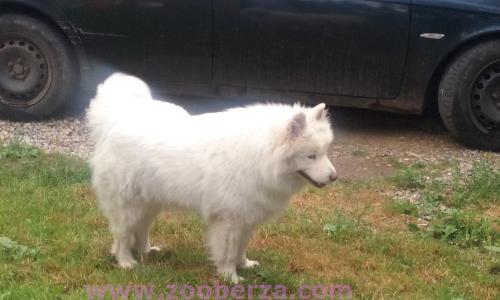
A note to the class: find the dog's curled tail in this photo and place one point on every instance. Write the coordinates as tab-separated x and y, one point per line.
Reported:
116	97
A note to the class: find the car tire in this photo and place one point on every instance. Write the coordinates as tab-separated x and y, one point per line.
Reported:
469	96
38	69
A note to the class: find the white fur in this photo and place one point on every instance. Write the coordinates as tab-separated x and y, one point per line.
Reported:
235	168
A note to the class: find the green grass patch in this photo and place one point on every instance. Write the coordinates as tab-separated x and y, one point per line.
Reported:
409	177
343	228
480	186
17	150
401	207
10	249
54	242
465	196
465	229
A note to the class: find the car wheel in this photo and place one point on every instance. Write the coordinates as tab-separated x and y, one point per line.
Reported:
38	71
469	96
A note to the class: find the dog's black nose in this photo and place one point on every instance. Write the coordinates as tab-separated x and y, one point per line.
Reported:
333	177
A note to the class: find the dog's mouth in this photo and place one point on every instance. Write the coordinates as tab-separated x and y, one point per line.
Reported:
312	181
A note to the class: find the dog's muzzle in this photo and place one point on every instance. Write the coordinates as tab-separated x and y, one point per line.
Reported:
312	181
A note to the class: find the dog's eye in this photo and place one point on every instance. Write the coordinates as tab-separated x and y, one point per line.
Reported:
312	156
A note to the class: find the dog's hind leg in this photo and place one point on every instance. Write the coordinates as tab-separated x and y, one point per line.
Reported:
124	249
243	262
141	233
122	224
114	247
223	238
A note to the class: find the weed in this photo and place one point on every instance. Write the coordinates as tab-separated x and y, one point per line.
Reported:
342	228
401	207
462	228
17	150
481	185
409	177
458	190
13	250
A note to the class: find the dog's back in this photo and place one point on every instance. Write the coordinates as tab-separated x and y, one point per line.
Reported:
122	99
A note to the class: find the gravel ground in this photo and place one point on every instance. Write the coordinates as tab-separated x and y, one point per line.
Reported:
366	141
67	135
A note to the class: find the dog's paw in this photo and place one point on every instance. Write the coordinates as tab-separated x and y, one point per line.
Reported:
249	264
147	250
237	279
127	263
154	249
233	278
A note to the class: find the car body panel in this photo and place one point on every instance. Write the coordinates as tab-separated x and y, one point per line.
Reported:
480	6
162	40
354	48
233	48
428	57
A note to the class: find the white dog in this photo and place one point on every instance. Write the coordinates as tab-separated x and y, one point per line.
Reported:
235	168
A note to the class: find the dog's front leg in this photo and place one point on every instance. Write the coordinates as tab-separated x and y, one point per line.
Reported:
223	239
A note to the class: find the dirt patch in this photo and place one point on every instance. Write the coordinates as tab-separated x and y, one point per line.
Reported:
367	143
353	167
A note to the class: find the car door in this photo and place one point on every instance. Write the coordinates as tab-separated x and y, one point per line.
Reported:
354	48
159	40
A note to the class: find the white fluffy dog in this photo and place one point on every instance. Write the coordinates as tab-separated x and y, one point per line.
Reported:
235	168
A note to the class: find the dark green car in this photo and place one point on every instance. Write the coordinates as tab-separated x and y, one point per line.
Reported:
397	55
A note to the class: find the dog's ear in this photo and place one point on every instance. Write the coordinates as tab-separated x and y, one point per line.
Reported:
319	111
297	124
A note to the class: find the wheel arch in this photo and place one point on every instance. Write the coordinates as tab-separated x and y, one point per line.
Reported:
48	14
431	93
37	9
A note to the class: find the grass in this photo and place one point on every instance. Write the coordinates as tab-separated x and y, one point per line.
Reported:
462	228
342	228
409	177
479	186
11	250
401	207
54	241
464	196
